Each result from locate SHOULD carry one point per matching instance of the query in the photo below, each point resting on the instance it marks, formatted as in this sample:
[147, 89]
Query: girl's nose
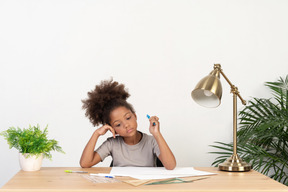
[126, 125]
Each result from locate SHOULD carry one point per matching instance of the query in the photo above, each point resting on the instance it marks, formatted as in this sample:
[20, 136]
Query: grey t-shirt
[143, 154]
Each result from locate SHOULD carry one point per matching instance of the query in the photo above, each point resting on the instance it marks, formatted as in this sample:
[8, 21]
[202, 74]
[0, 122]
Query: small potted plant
[32, 144]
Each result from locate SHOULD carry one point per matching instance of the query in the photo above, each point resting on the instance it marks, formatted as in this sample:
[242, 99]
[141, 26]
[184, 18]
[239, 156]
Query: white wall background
[53, 52]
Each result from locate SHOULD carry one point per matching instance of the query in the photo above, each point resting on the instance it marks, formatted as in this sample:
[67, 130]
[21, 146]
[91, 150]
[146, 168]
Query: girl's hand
[154, 127]
[103, 130]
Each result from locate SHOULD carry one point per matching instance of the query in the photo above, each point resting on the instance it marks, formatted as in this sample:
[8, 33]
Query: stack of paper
[156, 172]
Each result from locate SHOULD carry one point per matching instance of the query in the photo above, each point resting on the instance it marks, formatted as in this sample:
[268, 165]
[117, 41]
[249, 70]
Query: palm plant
[263, 135]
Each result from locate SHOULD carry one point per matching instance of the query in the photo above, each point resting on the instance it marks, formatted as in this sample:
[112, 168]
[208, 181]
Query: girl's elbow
[171, 166]
[84, 165]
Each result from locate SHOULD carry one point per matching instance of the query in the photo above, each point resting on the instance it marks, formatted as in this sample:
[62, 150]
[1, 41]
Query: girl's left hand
[154, 127]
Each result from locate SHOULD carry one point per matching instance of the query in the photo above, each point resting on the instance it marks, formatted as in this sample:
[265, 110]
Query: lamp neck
[234, 89]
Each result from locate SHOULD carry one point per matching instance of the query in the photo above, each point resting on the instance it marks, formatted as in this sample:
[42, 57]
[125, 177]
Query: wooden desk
[55, 179]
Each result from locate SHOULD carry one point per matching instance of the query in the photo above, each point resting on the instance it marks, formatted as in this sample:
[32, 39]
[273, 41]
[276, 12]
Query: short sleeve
[105, 149]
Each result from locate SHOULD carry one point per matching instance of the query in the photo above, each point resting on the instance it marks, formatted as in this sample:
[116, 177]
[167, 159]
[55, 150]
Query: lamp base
[234, 163]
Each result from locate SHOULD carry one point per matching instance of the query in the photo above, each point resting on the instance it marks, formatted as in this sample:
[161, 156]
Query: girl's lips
[129, 130]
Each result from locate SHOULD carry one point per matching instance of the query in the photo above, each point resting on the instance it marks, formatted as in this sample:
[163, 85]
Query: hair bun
[111, 90]
[104, 93]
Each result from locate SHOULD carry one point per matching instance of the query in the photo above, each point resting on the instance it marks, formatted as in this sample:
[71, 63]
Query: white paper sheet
[156, 172]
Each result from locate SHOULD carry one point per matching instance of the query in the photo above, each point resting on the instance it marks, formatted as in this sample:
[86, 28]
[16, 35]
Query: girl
[107, 105]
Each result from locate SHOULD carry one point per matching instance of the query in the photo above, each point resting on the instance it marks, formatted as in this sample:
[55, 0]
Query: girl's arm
[89, 156]
[166, 156]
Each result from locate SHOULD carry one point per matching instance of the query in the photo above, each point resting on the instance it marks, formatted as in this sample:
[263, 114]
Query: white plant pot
[32, 163]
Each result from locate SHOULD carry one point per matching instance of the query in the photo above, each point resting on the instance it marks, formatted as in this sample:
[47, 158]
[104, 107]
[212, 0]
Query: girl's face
[123, 121]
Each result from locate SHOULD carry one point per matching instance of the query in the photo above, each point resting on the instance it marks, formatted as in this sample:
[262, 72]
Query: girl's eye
[118, 125]
[128, 118]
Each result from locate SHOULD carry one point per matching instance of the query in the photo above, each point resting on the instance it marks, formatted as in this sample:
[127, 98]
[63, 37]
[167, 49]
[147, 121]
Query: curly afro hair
[106, 96]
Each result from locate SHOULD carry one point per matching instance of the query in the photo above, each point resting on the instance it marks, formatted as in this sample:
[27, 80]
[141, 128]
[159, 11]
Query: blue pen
[102, 175]
[148, 116]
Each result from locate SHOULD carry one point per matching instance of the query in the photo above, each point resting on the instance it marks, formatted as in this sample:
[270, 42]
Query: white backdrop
[53, 52]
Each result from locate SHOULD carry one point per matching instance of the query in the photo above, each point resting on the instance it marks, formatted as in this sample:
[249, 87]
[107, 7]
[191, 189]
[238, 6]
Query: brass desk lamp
[208, 93]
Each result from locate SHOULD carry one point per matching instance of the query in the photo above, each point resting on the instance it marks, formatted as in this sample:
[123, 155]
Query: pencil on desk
[70, 171]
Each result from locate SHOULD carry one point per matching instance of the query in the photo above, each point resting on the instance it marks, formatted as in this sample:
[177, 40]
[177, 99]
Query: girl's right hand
[103, 130]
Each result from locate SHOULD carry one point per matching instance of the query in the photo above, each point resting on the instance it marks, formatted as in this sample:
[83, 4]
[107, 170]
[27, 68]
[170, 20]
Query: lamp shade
[208, 91]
